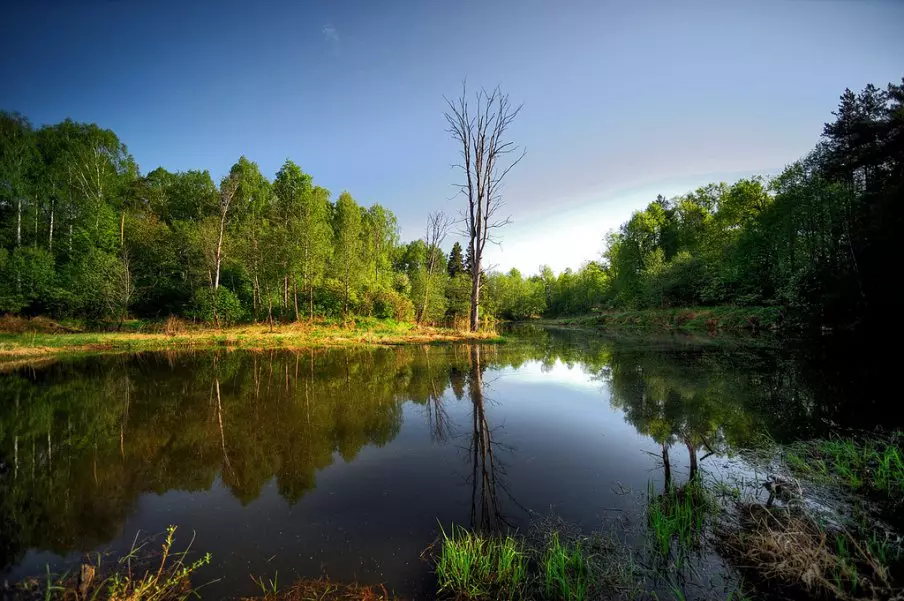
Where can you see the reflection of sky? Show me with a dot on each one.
(555, 374)
(622, 100)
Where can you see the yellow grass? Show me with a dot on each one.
(369, 332)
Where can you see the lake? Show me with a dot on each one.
(346, 462)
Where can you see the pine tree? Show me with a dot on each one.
(456, 262)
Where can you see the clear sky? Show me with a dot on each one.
(622, 100)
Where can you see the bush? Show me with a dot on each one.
(229, 307)
(389, 304)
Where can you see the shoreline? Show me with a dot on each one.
(295, 336)
(691, 319)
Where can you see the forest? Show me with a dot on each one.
(814, 240)
(84, 234)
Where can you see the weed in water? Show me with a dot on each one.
(476, 567)
(566, 570)
(678, 514)
(269, 586)
(874, 464)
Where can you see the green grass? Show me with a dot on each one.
(700, 319)
(566, 571)
(471, 566)
(875, 465)
(678, 515)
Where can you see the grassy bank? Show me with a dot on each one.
(698, 319)
(181, 336)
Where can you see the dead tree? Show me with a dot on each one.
(438, 224)
(486, 158)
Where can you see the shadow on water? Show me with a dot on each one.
(317, 461)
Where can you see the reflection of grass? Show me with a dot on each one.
(873, 464)
(566, 571)
(472, 566)
(678, 514)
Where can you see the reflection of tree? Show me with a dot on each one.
(485, 510)
(486, 471)
(84, 440)
(437, 416)
(81, 440)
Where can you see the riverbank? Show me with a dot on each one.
(695, 319)
(171, 336)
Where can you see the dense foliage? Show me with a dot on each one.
(814, 240)
(84, 234)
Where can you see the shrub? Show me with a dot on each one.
(229, 307)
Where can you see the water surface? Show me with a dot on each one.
(344, 462)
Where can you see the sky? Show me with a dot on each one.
(621, 100)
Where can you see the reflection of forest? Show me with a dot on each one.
(81, 440)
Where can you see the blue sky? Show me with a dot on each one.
(622, 100)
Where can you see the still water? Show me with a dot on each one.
(345, 462)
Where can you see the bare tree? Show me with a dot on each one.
(438, 224)
(228, 188)
(486, 158)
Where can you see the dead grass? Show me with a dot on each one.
(788, 550)
(12, 324)
(323, 589)
(179, 335)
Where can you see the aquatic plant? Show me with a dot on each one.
(566, 570)
(875, 464)
(324, 589)
(474, 566)
(678, 514)
(171, 579)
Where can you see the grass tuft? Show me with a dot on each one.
(872, 465)
(678, 514)
(566, 571)
(472, 566)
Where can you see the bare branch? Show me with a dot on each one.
(484, 149)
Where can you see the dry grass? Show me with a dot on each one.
(788, 550)
(323, 589)
(178, 335)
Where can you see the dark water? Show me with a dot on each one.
(344, 462)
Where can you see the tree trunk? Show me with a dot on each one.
(692, 456)
(286, 290)
(19, 224)
(420, 315)
(311, 300)
(269, 306)
(50, 236)
(666, 466)
(475, 298)
(295, 295)
(347, 276)
(122, 229)
(219, 258)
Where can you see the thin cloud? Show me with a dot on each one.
(330, 34)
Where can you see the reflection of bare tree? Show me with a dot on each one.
(437, 417)
(486, 511)
(216, 379)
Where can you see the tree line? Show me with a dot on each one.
(816, 239)
(83, 233)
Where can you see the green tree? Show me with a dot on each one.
(347, 229)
